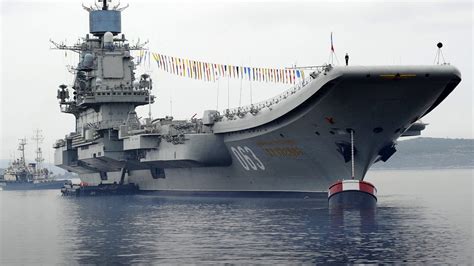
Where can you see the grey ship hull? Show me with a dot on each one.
(297, 145)
(8, 186)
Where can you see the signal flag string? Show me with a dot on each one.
(212, 72)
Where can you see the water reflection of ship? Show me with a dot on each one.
(20, 175)
(341, 217)
(148, 229)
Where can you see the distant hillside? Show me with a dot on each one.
(431, 153)
(418, 153)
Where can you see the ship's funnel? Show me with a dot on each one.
(102, 21)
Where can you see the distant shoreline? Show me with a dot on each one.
(430, 154)
(420, 169)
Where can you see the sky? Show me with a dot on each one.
(271, 34)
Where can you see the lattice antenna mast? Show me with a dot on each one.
(38, 138)
(21, 147)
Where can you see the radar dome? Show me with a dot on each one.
(88, 61)
(108, 39)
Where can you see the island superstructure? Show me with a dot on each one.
(298, 141)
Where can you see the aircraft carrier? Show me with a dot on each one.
(296, 142)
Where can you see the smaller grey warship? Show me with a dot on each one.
(20, 175)
(332, 125)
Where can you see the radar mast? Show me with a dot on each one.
(21, 147)
(104, 5)
(38, 138)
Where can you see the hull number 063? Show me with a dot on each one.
(247, 158)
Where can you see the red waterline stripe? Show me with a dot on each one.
(335, 188)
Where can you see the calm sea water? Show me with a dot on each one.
(422, 216)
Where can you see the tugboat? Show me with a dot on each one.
(21, 175)
(83, 189)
